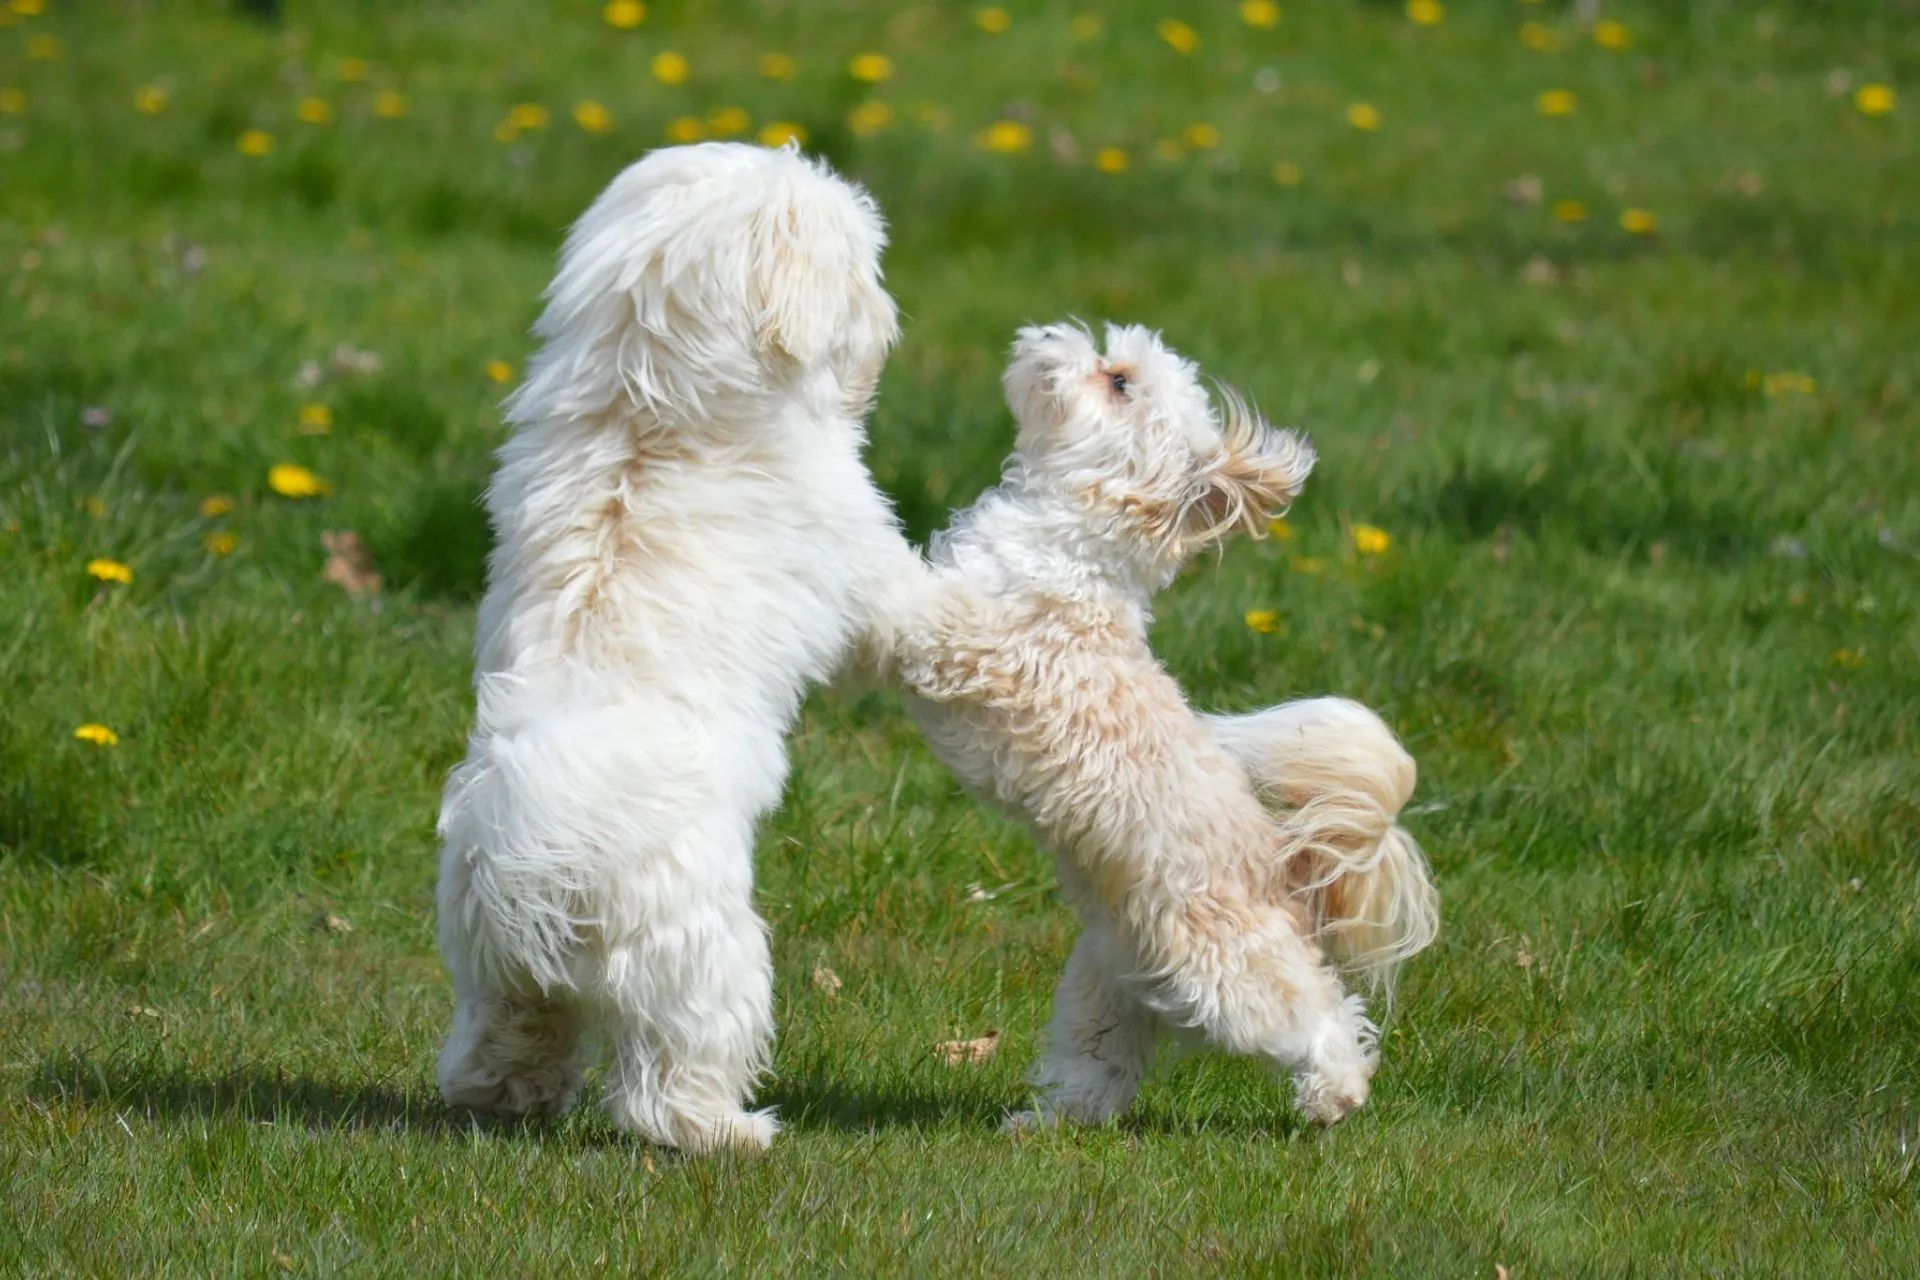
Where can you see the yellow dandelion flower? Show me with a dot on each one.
(1363, 115)
(1428, 13)
(215, 504)
(1371, 540)
(1266, 621)
(1005, 136)
(1569, 211)
(529, 115)
(12, 101)
(1847, 659)
(255, 142)
(1641, 222)
(1180, 37)
(624, 14)
(777, 66)
(220, 543)
(98, 734)
(1555, 102)
(1087, 26)
(670, 67)
(96, 506)
(315, 419)
(992, 20)
(315, 111)
(29, 8)
(110, 570)
(45, 48)
(1307, 564)
(390, 104)
(499, 371)
(291, 480)
(1538, 37)
(870, 118)
(1260, 13)
(728, 122)
(1110, 160)
(1279, 528)
(351, 70)
(779, 133)
(1874, 99)
(1169, 149)
(686, 128)
(1201, 136)
(1612, 35)
(1287, 173)
(506, 131)
(150, 100)
(871, 67)
(1780, 384)
(592, 117)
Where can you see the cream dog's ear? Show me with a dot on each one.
(814, 275)
(1258, 471)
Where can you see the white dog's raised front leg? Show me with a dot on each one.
(1099, 1043)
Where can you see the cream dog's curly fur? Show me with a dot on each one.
(1209, 857)
(685, 537)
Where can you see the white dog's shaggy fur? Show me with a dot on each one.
(685, 537)
(1031, 675)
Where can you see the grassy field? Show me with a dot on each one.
(1611, 329)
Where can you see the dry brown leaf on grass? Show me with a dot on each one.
(827, 980)
(955, 1052)
(350, 564)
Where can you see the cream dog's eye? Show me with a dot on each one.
(1118, 381)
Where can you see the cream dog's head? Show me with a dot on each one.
(708, 279)
(1133, 434)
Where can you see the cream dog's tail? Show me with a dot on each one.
(1336, 778)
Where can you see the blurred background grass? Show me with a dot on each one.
(1605, 318)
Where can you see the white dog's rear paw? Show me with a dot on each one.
(1030, 1120)
(747, 1132)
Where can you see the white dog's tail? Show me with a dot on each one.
(1336, 778)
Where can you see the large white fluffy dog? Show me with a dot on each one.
(685, 537)
(1031, 675)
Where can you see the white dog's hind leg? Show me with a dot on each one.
(512, 1055)
(1099, 1043)
(688, 999)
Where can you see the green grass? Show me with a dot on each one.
(1648, 620)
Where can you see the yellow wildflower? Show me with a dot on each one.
(1287, 173)
(1087, 26)
(1874, 99)
(1569, 211)
(993, 20)
(151, 100)
(1363, 115)
(1640, 222)
(506, 131)
(779, 133)
(220, 543)
(670, 67)
(726, 122)
(1780, 384)
(255, 142)
(1006, 136)
(870, 118)
(1263, 620)
(1201, 136)
(351, 70)
(592, 117)
(871, 67)
(315, 419)
(529, 115)
(291, 480)
(96, 506)
(1110, 160)
(215, 504)
(1260, 13)
(1279, 528)
(390, 104)
(315, 111)
(29, 8)
(1178, 35)
(1612, 35)
(624, 14)
(110, 570)
(1538, 36)
(1371, 540)
(1555, 102)
(499, 371)
(12, 101)
(777, 66)
(1848, 659)
(1307, 564)
(1428, 13)
(45, 48)
(98, 734)
(686, 129)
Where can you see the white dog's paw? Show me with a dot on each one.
(1327, 1097)
(745, 1132)
(1030, 1121)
